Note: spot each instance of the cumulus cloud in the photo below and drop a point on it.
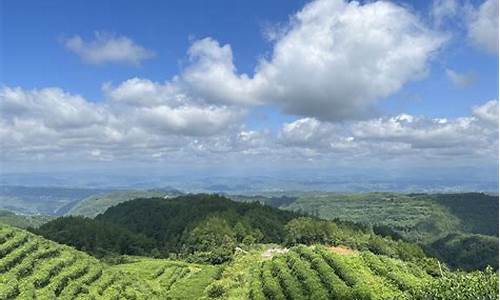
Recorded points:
(56, 123)
(487, 112)
(305, 131)
(327, 64)
(461, 80)
(338, 59)
(108, 48)
(55, 108)
(213, 76)
(483, 26)
(334, 62)
(402, 135)
(50, 124)
(166, 108)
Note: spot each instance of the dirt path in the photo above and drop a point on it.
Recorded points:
(269, 253)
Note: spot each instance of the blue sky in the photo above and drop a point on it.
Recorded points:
(166, 27)
(32, 31)
(241, 99)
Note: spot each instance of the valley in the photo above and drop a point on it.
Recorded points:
(170, 245)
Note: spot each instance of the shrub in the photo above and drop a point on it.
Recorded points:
(270, 285)
(215, 290)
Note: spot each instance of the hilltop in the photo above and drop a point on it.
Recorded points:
(207, 228)
(99, 203)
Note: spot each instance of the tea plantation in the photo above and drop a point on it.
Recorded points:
(32, 267)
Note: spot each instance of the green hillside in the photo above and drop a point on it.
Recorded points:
(207, 228)
(319, 272)
(52, 201)
(427, 219)
(418, 217)
(22, 221)
(99, 203)
(34, 268)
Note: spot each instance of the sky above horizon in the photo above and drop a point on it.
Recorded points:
(327, 85)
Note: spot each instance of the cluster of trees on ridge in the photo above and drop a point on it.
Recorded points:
(208, 228)
(460, 229)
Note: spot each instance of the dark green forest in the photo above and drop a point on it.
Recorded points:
(207, 228)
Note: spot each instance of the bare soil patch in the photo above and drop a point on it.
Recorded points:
(343, 250)
(269, 253)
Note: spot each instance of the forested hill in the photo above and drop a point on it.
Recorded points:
(208, 228)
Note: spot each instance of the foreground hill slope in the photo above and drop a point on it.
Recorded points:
(34, 268)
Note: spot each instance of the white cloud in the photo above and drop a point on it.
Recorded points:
(52, 125)
(55, 123)
(442, 10)
(187, 120)
(305, 131)
(333, 62)
(336, 60)
(51, 106)
(108, 48)
(144, 92)
(461, 80)
(487, 112)
(166, 108)
(402, 135)
(213, 77)
(483, 26)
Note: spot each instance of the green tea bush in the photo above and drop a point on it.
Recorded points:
(344, 272)
(394, 270)
(215, 290)
(336, 286)
(256, 292)
(461, 286)
(305, 274)
(43, 276)
(290, 285)
(13, 243)
(25, 268)
(16, 256)
(270, 285)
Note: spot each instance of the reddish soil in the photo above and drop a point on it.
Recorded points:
(341, 250)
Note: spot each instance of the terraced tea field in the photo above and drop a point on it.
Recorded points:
(34, 268)
(318, 273)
